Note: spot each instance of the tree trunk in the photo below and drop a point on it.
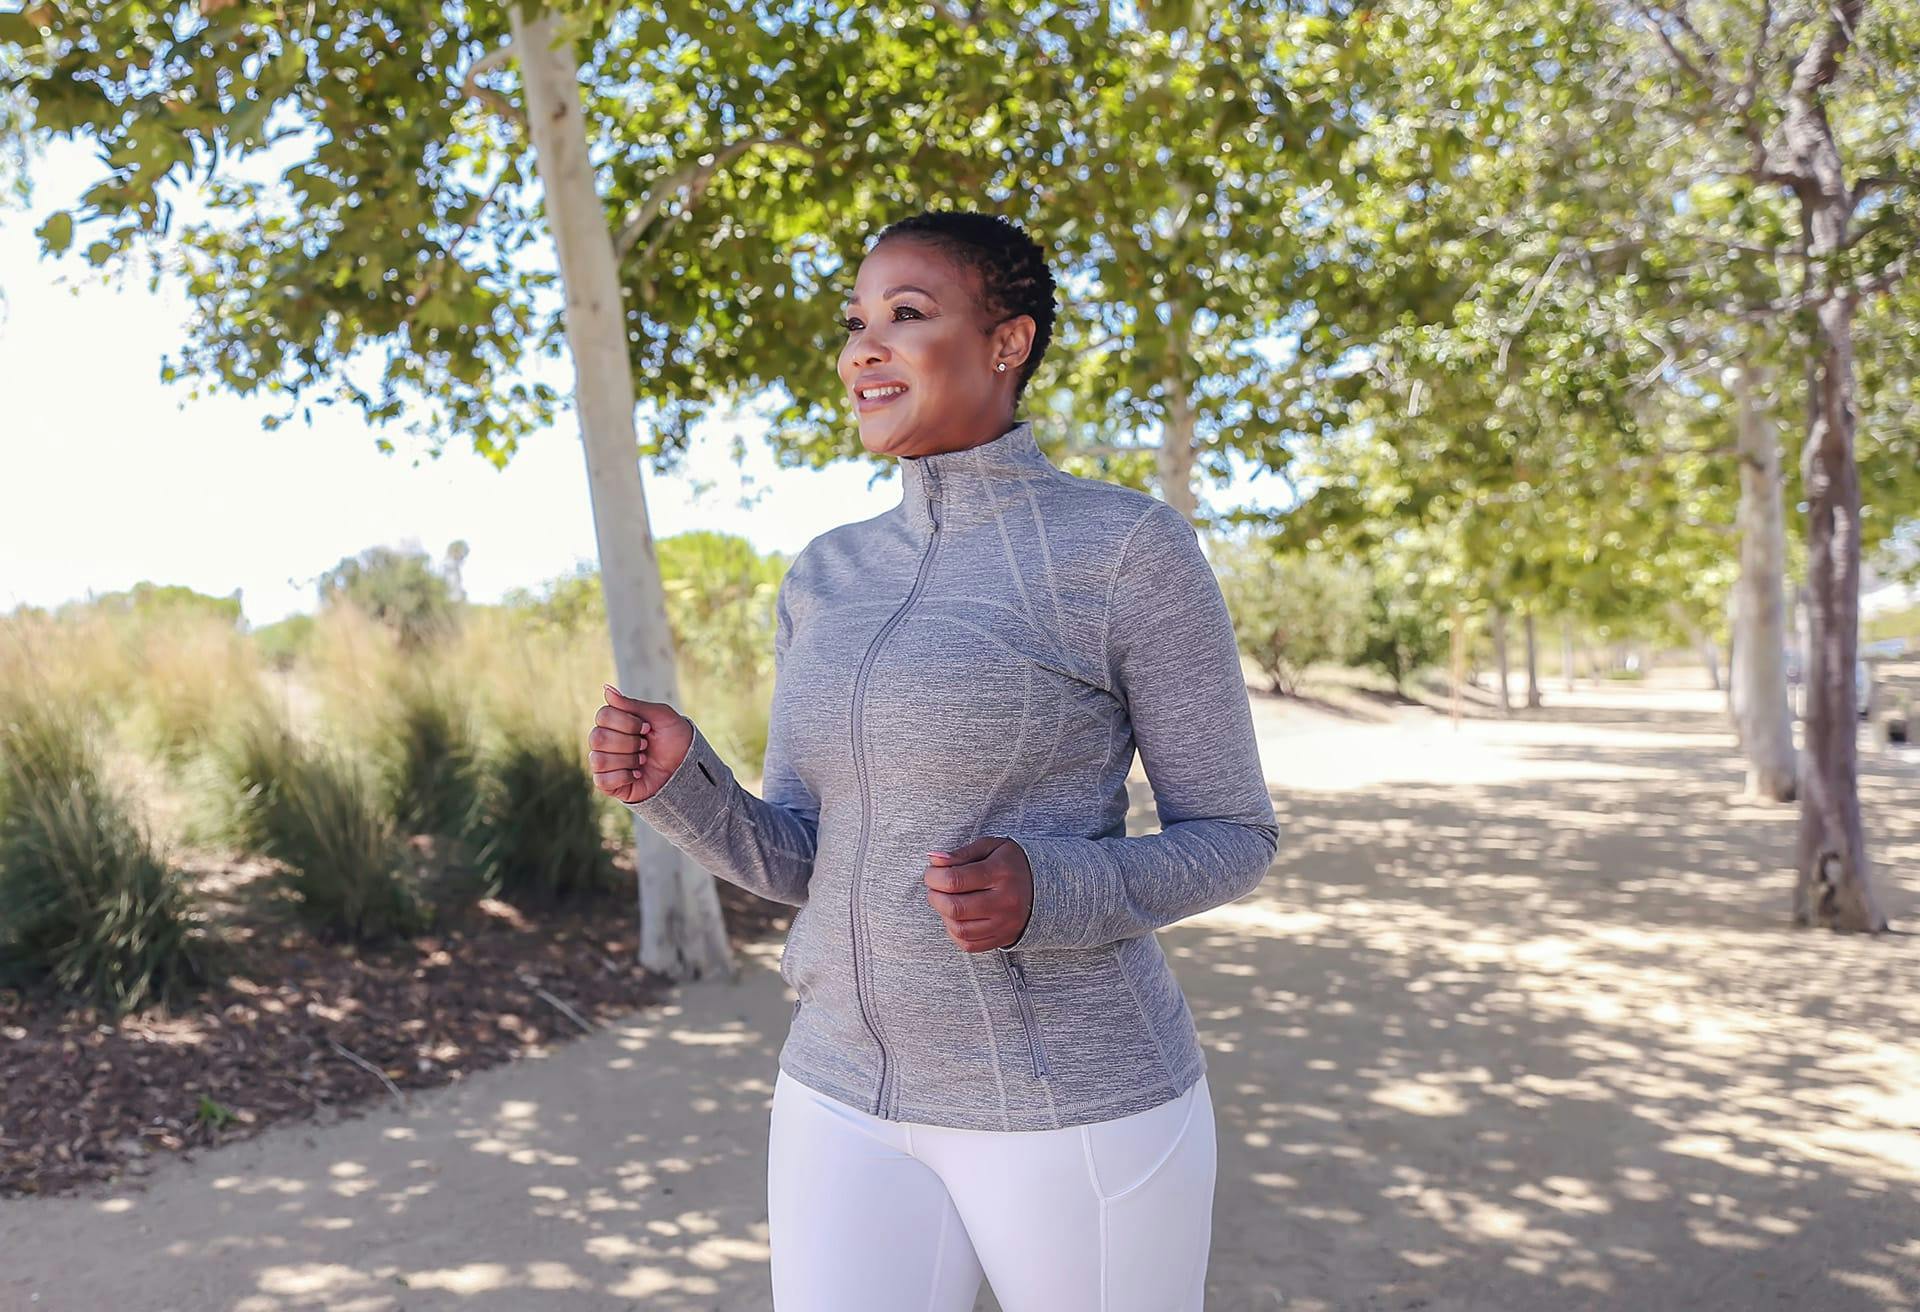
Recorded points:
(1566, 653)
(1533, 665)
(682, 931)
(1500, 656)
(1834, 882)
(1176, 453)
(1757, 688)
(1703, 644)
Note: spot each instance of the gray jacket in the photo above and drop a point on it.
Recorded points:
(984, 658)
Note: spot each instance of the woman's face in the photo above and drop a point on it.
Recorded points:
(913, 321)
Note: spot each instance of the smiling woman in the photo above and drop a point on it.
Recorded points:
(985, 1026)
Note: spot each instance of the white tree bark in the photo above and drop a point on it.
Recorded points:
(1566, 653)
(1533, 664)
(682, 932)
(1764, 721)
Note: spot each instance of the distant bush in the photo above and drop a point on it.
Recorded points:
(1893, 624)
(85, 898)
(167, 664)
(284, 643)
(162, 602)
(399, 588)
(1404, 629)
(572, 603)
(1290, 611)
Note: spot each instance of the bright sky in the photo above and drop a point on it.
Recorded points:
(109, 476)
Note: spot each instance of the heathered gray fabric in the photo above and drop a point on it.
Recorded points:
(985, 658)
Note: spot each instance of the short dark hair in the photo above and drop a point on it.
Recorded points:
(1012, 269)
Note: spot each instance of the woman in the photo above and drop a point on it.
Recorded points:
(990, 1070)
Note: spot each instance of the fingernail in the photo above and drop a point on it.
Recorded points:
(939, 854)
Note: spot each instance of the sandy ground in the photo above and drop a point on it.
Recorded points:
(1517, 1022)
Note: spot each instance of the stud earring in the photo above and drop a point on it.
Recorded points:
(1002, 366)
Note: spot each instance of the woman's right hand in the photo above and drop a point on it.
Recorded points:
(635, 746)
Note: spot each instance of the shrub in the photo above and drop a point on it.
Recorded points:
(250, 760)
(538, 824)
(191, 675)
(85, 898)
(345, 858)
(428, 756)
(318, 811)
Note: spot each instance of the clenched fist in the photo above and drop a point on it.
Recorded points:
(983, 891)
(634, 746)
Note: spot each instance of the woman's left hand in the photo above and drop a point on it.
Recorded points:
(983, 891)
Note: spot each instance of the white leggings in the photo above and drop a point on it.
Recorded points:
(871, 1215)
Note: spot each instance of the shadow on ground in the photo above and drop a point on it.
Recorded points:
(1540, 1037)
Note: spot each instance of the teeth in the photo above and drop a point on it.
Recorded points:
(891, 389)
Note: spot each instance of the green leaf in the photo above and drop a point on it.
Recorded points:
(56, 234)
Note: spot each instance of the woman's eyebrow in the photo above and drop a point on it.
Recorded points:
(895, 291)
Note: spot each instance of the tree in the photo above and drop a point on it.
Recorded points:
(1842, 109)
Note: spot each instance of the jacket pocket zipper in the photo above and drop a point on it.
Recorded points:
(1028, 1020)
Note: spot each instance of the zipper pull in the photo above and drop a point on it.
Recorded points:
(1018, 973)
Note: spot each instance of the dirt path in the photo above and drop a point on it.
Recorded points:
(1516, 1023)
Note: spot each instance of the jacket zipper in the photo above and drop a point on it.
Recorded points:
(1031, 1023)
(860, 988)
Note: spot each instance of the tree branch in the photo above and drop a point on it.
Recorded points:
(1539, 286)
(694, 176)
(486, 95)
(1876, 181)
(1709, 77)
(1856, 290)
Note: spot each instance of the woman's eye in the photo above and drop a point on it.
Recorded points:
(851, 324)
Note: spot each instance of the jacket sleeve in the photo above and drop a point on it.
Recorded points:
(1175, 664)
(763, 844)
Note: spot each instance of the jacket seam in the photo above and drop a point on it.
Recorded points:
(1145, 1020)
(713, 824)
(1113, 581)
(1039, 1113)
(835, 1089)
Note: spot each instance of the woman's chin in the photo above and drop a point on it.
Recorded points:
(882, 433)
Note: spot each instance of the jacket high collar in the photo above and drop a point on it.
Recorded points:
(971, 484)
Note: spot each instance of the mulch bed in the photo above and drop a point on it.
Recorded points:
(311, 1030)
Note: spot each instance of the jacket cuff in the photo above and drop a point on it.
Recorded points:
(1063, 893)
(695, 796)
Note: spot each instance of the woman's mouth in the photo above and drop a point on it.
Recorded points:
(877, 395)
